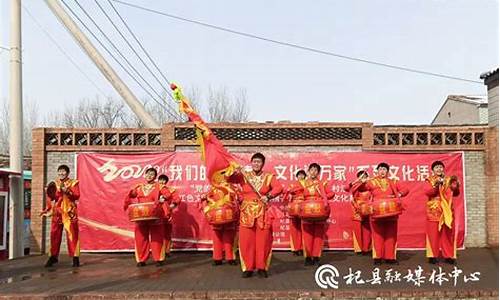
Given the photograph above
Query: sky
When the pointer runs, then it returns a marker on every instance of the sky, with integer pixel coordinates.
(457, 38)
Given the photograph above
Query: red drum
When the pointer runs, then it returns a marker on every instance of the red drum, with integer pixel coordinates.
(143, 212)
(365, 209)
(314, 210)
(294, 209)
(385, 208)
(220, 215)
(51, 190)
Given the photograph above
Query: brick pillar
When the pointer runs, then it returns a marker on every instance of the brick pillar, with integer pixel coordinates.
(492, 186)
(168, 137)
(37, 244)
(367, 135)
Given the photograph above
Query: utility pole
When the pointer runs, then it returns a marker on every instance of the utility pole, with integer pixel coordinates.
(16, 192)
(102, 64)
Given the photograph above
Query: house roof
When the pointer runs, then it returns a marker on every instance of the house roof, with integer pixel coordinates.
(481, 101)
(4, 171)
(488, 74)
(478, 100)
(490, 78)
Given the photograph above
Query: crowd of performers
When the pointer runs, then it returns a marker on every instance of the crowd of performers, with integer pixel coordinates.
(242, 198)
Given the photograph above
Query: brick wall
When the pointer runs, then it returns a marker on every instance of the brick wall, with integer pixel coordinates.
(475, 193)
(492, 186)
(492, 160)
(37, 189)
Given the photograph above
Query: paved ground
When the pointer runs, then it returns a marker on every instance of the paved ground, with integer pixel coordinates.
(190, 275)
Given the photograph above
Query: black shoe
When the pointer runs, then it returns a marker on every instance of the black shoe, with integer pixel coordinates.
(262, 273)
(141, 264)
(76, 262)
(232, 262)
(295, 253)
(451, 261)
(316, 260)
(51, 261)
(160, 263)
(392, 261)
(247, 274)
(377, 261)
(366, 253)
(216, 262)
(433, 260)
(300, 253)
(359, 253)
(308, 261)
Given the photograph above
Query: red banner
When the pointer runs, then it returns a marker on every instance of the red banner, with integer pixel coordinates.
(106, 178)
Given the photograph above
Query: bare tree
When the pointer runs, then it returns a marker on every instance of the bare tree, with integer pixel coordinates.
(218, 105)
(163, 111)
(30, 120)
(90, 113)
(194, 94)
(111, 113)
(53, 119)
(240, 111)
(223, 108)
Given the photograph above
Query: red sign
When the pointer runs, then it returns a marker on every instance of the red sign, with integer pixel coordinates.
(105, 179)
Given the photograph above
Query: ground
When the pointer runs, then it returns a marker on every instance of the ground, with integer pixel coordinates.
(190, 275)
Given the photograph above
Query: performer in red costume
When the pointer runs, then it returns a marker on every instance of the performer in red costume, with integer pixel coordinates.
(384, 230)
(256, 216)
(361, 231)
(313, 233)
(296, 193)
(61, 204)
(440, 238)
(224, 235)
(169, 200)
(148, 234)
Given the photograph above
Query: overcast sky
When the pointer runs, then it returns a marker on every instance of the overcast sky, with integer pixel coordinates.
(457, 38)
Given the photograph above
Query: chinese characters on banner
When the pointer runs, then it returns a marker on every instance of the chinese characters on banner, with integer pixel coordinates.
(105, 179)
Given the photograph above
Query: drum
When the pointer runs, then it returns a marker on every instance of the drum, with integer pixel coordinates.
(220, 215)
(384, 208)
(314, 210)
(294, 209)
(143, 212)
(365, 209)
(51, 190)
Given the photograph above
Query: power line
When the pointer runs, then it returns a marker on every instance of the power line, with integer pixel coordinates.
(116, 48)
(296, 46)
(128, 62)
(62, 50)
(133, 49)
(167, 103)
(138, 42)
(115, 59)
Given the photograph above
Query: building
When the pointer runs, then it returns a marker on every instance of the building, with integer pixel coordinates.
(462, 110)
(491, 81)
(5, 175)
